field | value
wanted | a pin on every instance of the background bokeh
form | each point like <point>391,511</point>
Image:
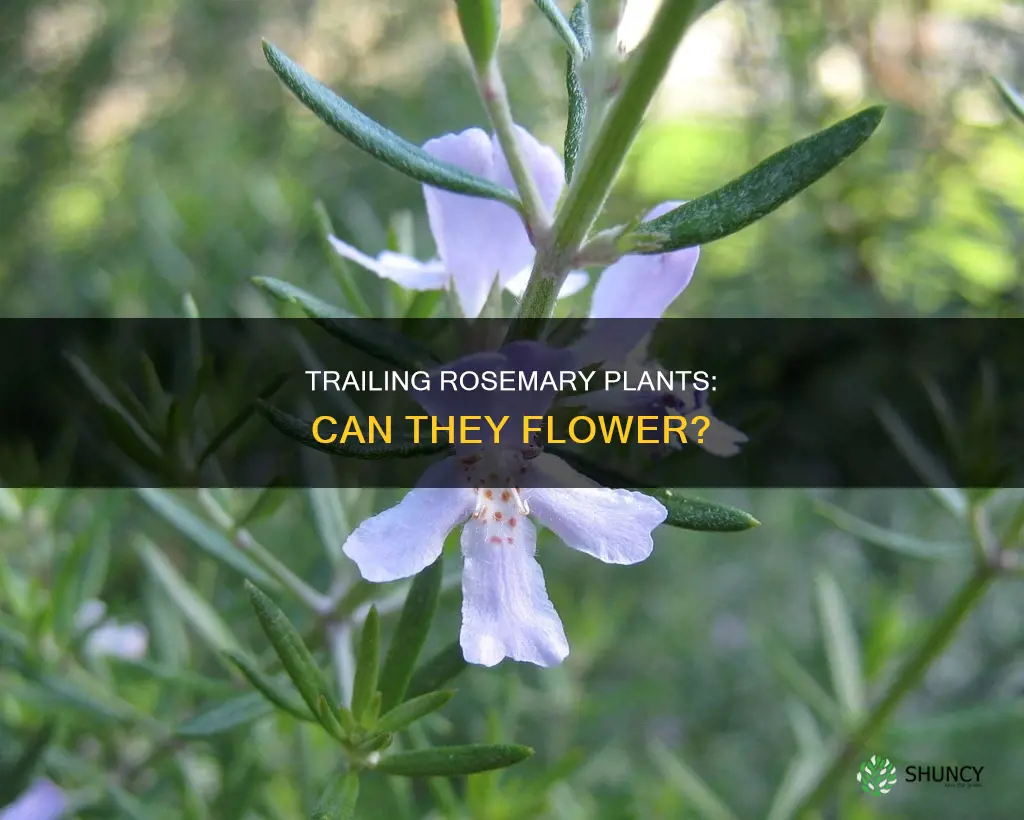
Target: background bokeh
<point>147,152</point>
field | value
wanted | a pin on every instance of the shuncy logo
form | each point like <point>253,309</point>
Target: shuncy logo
<point>877,775</point>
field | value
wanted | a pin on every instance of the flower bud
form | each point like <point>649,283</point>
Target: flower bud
<point>481,28</point>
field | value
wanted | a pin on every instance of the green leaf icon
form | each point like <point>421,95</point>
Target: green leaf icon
<point>877,775</point>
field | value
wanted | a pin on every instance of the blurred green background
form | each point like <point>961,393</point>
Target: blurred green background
<point>146,152</point>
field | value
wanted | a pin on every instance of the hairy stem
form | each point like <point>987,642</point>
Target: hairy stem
<point>495,99</point>
<point>593,180</point>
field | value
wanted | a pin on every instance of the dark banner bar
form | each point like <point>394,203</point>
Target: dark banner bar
<point>378,403</point>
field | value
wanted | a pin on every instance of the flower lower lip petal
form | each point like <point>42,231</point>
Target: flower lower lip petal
<point>506,611</point>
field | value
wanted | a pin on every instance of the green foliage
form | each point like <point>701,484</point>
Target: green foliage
<point>698,514</point>
<point>367,667</point>
<point>756,193</point>
<point>296,659</point>
<point>576,118</point>
<point>143,159</point>
<point>376,140</point>
<point>410,635</point>
<point>452,761</point>
<point>339,801</point>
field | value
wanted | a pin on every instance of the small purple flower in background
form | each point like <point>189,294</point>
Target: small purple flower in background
<point>109,638</point>
<point>43,800</point>
<point>477,239</point>
<point>114,640</point>
<point>494,492</point>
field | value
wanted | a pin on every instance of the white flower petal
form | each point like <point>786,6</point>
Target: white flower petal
<point>404,539</point>
<point>408,272</point>
<point>574,283</point>
<point>640,288</point>
<point>517,284</point>
<point>506,612</point>
<point>43,800</point>
<point>614,526</point>
<point>643,287</point>
<point>477,239</point>
<point>114,640</point>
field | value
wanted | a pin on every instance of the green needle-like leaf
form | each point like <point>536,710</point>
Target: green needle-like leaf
<point>898,542</point>
<point>237,422</point>
<point>311,305</point>
<point>225,717</point>
<point>756,193</point>
<point>413,709</point>
<point>339,723</point>
<point>698,514</point>
<point>295,656</point>
<point>842,648</point>
<point>925,463</point>
<point>130,433</point>
<point>373,336</point>
<point>277,693</point>
<point>703,800</point>
<point>377,140</point>
<point>1011,96</point>
<point>378,339</point>
<point>565,29</point>
<point>576,119</point>
<point>435,672</point>
<point>339,801</point>
<point>15,777</point>
<point>213,543</point>
<point>375,742</point>
<point>193,606</point>
<point>410,635</point>
<point>452,761</point>
<point>364,685</point>
<point>347,281</point>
